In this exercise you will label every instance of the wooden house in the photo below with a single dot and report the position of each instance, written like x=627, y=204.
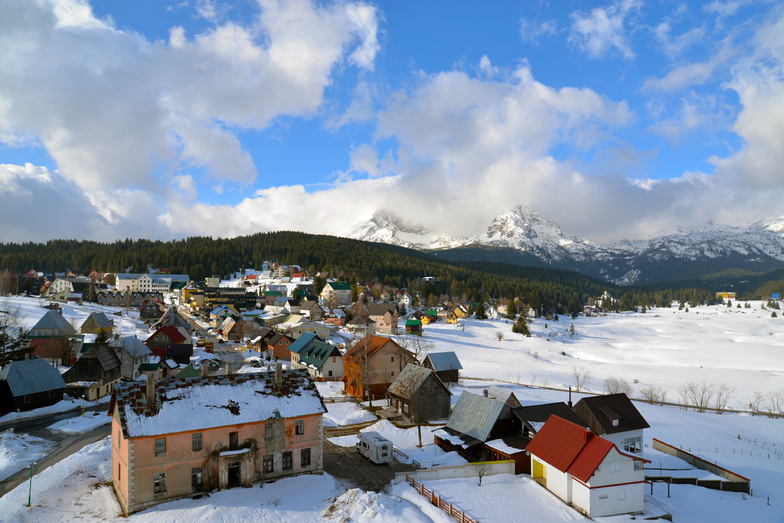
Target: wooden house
x=419, y=395
x=171, y=342
x=445, y=364
x=99, y=367
x=278, y=346
x=614, y=417
x=29, y=384
x=96, y=322
x=372, y=364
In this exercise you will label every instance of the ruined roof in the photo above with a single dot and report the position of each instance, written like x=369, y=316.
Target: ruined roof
x=31, y=376
x=190, y=404
x=475, y=415
x=410, y=379
x=600, y=411
x=443, y=361
x=106, y=357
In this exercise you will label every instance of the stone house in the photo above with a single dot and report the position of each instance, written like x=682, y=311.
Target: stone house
x=180, y=438
x=418, y=394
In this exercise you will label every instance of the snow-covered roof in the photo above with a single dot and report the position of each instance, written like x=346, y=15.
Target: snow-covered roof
x=132, y=345
x=190, y=404
x=444, y=361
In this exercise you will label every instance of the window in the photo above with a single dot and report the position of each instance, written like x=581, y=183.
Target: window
x=334, y=359
x=300, y=427
x=287, y=461
x=233, y=440
x=119, y=472
x=269, y=431
x=622, y=495
x=330, y=374
x=160, y=483
x=197, y=441
x=305, y=458
x=616, y=466
x=269, y=464
x=197, y=477
x=637, y=465
x=27, y=399
x=51, y=394
x=632, y=444
x=393, y=359
x=603, y=496
x=160, y=447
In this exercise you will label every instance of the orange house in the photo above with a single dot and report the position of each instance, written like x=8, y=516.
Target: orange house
x=181, y=438
x=381, y=358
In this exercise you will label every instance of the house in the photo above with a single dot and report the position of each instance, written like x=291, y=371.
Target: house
x=336, y=293
x=322, y=360
x=428, y=317
x=180, y=438
x=278, y=346
x=172, y=318
x=260, y=342
x=503, y=394
x=132, y=353
x=446, y=365
x=386, y=317
x=301, y=327
x=99, y=368
x=476, y=420
x=615, y=418
x=336, y=317
x=312, y=310
x=292, y=305
x=361, y=325
x=413, y=327
x=586, y=471
x=96, y=322
x=29, y=384
x=372, y=364
x=419, y=394
x=150, y=310
x=54, y=339
x=171, y=342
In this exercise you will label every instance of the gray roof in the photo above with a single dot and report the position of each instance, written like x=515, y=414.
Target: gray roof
x=444, y=361
x=132, y=345
x=31, y=376
x=101, y=320
x=105, y=356
x=410, y=379
x=53, y=320
x=475, y=415
x=379, y=309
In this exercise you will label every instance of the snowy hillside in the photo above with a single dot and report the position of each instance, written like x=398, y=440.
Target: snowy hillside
x=528, y=232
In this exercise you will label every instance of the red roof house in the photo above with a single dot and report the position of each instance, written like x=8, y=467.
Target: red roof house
x=585, y=470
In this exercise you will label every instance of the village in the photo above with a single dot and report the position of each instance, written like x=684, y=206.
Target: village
x=266, y=376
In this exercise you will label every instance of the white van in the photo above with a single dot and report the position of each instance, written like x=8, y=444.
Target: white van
x=375, y=447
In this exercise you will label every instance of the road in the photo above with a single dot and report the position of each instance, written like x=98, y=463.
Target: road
x=346, y=464
x=67, y=444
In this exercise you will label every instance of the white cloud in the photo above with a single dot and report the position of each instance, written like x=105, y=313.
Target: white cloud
x=604, y=28
x=674, y=46
x=532, y=30
x=113, y=110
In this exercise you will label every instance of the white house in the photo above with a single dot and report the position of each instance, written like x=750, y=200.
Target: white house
x=586, y=471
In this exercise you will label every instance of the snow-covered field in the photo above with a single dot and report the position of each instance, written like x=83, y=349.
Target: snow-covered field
x=81, y=424
x=665, y=348
x=17, y=451
x=347, y=413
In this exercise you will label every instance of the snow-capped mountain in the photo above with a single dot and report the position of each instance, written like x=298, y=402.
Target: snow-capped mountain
x=526, y=237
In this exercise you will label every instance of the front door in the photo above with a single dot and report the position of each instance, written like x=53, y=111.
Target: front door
x=234, y=474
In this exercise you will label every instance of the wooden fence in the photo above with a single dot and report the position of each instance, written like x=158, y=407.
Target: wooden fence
x=405, y=456
x=436, y=500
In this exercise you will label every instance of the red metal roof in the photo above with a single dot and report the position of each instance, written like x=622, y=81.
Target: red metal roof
x=572, y=448
x=171, y=331
x=558, y=442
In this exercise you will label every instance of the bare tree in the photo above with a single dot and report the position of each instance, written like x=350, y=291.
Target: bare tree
x=481, y=467
x=697, y=395
x=532, y=377
x=723, y=395
x=653, y=394
x=580, y=376
x=410, y=346
x=755, y=401
x=616, y=386
x=499, y=335
x=775, y=403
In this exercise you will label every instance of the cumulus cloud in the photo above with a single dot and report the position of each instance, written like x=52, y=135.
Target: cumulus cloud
x=604, y=28
x=112, y=108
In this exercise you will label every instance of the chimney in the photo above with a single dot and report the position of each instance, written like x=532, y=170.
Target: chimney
x=150, y=374
x=204, y=370
x=278, y=375
x=485, y=392
x=570, y=396
x=228, y=368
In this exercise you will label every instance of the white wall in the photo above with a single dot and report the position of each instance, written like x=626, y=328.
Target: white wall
x=456, y=471
x=619, y=437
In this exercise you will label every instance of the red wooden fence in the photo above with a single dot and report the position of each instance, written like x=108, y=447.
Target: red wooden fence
x=436, y=500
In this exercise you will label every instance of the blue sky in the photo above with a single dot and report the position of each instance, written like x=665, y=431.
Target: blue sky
x=619, y=119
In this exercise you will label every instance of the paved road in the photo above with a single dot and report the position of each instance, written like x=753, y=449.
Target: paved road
x=66, y=444
x=346, y=464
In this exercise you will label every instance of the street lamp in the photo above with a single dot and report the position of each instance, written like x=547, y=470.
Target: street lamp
x=82, y=404
x=30, y=491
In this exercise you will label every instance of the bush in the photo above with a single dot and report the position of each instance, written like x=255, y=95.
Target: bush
x=617, y=385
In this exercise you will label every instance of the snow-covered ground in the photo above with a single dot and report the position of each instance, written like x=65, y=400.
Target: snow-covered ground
x=81, y=424
x=18, y=451
x=665, y=348
x=347, y=413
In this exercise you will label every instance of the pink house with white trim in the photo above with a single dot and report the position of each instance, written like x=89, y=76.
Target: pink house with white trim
x=185, y=437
